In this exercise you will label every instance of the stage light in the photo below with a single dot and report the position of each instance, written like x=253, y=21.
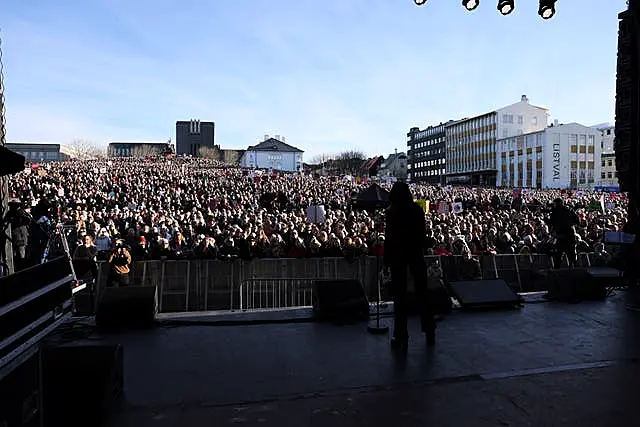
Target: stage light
x=420, y=2
x=505, y=6
x=470, y=4
x=547, y=9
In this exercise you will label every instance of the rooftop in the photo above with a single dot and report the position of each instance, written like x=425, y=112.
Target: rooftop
x=547, y=364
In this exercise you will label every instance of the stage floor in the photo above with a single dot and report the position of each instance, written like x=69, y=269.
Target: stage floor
x=548, y=364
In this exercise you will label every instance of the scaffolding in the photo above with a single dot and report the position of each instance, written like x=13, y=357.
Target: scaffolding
x=6, y=251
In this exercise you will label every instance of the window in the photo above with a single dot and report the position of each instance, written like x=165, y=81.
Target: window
x=505, y=133
x=603, y=163
x=534, y=120
x=602, y=175
x=520, y=120
x=610, y=162
x=507, y=118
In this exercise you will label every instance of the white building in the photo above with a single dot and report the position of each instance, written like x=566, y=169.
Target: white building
x=608, y=177
x=608, y=136
x=471, y=143
x=560, y=156
x=273, y=153
x=394, y=166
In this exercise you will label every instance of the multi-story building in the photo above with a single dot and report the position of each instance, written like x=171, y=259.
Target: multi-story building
x=273, y=153
x=42, y=151
x=471, y=143
x=560, y=156
x=608, y=177
x=608, y=132
x=138, y=149
x=427, y=154
x=394, y=166
x=193, y=135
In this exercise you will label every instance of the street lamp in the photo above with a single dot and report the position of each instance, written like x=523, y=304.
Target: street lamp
x=420, y=2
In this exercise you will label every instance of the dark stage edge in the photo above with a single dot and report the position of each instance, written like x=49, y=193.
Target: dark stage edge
x=546, y=364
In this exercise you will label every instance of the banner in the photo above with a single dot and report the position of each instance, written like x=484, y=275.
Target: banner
x=457, y=207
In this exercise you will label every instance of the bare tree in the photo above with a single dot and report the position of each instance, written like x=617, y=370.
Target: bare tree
x=212, y=153
x=84, y=149
x=349, y=162
x=321, y=159
x=231, y=157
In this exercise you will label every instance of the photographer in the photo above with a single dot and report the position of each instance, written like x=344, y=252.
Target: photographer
x=119, y=266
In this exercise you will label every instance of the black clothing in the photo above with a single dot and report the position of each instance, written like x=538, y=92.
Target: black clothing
x=84, y=263
x=405, y=235
x=562, y=221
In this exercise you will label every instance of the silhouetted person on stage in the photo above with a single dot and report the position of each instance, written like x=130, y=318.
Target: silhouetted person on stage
x=405, y=235
x=563, y=221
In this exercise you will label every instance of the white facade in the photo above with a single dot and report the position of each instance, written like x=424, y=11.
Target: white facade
x=608, y=176
x=563, y=156
x=471, y=143
x=278, y=160
x=272, y=154
x=608, y=136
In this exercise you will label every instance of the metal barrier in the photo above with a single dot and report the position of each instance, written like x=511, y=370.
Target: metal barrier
x=203, y=285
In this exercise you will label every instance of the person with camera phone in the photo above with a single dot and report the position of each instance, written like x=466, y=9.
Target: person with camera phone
x=119, y=266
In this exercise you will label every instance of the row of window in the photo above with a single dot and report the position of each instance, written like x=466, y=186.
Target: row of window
x=39, y=155
x=434, y=172
x=428, y=132
x=509, y=119
x=428, y=143
x=427, y=163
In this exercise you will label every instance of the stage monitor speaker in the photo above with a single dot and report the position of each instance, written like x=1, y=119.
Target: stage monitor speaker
x=339, y=300
x=489, y=293
x=21, y=392
x=81, y=383
x=575, y=285
x=127, y=307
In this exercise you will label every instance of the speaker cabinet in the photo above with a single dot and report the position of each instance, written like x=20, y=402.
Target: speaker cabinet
x=81, y=383
x=127, y=307
x=488, y=293
x=339, y=300
x=20, y=392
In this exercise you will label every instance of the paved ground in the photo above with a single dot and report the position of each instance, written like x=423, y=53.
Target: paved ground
x=544, y=365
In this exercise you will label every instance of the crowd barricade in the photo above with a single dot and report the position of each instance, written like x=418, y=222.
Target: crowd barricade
x=259, y=284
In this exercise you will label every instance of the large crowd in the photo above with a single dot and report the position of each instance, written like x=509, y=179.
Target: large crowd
x=181, y=208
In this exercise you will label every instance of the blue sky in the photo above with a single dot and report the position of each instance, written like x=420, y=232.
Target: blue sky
x=327, y=74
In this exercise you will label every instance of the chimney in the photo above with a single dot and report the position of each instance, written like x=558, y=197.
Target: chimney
x=524, y=98
x=266, y=137
x=282, y=140
x=277, y=137
x=555, y=122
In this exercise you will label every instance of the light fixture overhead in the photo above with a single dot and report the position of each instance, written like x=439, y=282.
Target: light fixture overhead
x=506, y=6
x=470, y=4
x=420, y=2
x=547, y=9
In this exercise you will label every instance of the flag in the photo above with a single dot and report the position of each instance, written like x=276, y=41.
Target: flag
x=602, y=203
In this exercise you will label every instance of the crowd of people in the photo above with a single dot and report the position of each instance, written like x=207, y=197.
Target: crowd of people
x=183, y=208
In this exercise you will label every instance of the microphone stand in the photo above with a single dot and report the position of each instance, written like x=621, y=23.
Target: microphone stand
x=377, y=328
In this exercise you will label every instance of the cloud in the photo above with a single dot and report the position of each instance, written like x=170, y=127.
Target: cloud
x=328, y=75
